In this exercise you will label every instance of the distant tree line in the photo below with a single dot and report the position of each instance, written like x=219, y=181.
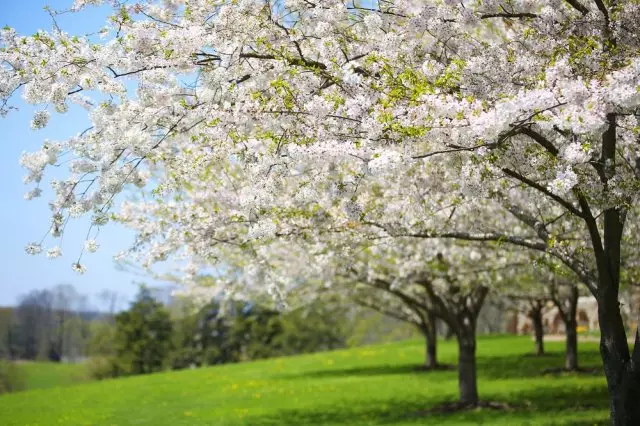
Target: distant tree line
x=49, y=324
x=151, y=336
x=59, y=325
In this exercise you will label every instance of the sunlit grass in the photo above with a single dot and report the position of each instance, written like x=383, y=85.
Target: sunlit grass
x=43, y=375
x=372, y=385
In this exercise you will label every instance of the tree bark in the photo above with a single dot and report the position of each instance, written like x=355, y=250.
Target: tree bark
x=538, y=328
x=460, y=312
x=568, y=308
x=467, y=378
x=571, y=353
x=621, y=368
x=570, y=317
x=431, y=357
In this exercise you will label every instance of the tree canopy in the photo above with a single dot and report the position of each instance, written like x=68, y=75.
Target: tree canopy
x=251, y=121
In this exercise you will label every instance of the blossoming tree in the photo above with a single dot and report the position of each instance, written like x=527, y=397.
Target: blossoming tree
x=423, y=119
x=417, y=281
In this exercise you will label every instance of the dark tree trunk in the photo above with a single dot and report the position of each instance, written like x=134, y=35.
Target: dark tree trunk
x=460, y=311
x=467, y=378
x=538, y=328
x=431, y=358
x=568, y=307
x=571, y=354
x=621, y=368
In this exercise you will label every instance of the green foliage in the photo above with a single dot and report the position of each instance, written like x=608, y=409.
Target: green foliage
x=373, y=385
x=252, y=332
x=101, y=343
x=369, y=327
x=6, y=324
x=320, y=327
x=106, y=367
x=143, y=336
x=12, y=378
x=203, y=338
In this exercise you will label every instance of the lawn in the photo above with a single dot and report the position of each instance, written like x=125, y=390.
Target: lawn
x=374, y=385
x=43, y=375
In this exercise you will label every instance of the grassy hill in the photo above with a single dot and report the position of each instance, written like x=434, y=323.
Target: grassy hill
x=374, y=385
x=44, y=375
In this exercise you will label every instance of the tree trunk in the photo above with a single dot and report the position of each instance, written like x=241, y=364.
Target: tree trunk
x=467, y=379
x=460, y=312
x=568, y=308
x=431, y=358
x=571, y=354
x=621, y=368
x=571, y=330
x=536, y=319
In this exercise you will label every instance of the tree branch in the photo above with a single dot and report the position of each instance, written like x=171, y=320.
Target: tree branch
x=578, y=6
x=541, y=140
x=567, y=205
x=508, y=15
x=602, y=8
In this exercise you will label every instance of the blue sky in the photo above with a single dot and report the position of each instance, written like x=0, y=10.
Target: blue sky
x=26, y=221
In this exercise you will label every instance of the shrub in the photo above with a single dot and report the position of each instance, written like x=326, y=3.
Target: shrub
x=12, y=377
x=100, y=368
x=143, y=335
x=184, y=358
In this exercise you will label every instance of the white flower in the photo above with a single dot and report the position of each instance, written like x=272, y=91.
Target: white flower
x=373, y=21
x=565, y=180
x=262, y=229
x=100, y=219
x=576, y=154
x=83, y=166
x=33, y=248
x=353, y=210
x=91, y=246
x=77, y=209
x=40, y=119
x=323, y=28
x=386, y=161
x=34, y=193
x=77, y=267
x=120, y=256
x=351, y=77
x=54, y=252
x=432, y=69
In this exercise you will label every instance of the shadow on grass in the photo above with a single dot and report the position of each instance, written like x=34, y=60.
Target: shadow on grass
x=540, y=405
x=526, y=366
x=376, y=370
x=489, y=367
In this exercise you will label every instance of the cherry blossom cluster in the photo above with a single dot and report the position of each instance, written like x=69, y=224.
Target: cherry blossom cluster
x=252, y=129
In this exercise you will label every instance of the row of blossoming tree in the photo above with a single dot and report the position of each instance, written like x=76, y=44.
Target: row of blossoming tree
x=419, y=151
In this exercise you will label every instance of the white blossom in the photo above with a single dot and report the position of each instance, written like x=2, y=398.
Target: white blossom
x=34, y=193
x=33, y=248
x=40, y=119
x=79, y=268
x=91, y=246
x=566, y=179
x=54, y=252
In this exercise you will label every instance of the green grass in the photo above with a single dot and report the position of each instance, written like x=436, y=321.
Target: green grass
x=374, y=385
x=43, y=375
